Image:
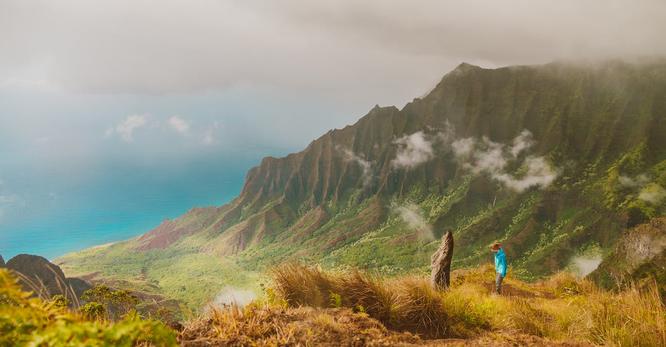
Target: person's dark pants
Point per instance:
(498, 283)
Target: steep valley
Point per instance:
(557, 161)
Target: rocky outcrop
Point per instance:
(40, 274)
(640, 254)
(441, 263)
(2, 262)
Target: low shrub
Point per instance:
(25, 320)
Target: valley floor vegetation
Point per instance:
(306, 306)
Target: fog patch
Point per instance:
(413, 216)
(463, 148)
(492, 158)
(366, 166)
(652, 193)
(413, 150)
(539, 173)
(642, 184)
(233, 296)
(633, 182)
(522, 142)
(418, 148)
(583, 265)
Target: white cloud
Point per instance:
(413, 216)
(492, 158)
(234, 296)
(179, 125)
(652, 193)
(413, 150)
(365, 165)
(539, 174)
(633, 182)
(648, 190)
(463, 147)
(522, 142)
(584, 265)
(126, 128)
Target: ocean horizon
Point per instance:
(54, 215)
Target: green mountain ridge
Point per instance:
(553, 160)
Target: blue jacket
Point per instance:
(500, 262)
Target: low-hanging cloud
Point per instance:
(652, 193)
(463, 148)
(584, 265)
(539, 174)
(234, 296)
(366, 166)
(413, 150)
(632, 182)
(522, 142)
(418, 148)
(413, 216)
(492, 158)
(648, 191)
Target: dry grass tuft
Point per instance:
(563, 284)
(274, 326)
(411, 304)
(368, 294)
(419, 308)
(303, 286)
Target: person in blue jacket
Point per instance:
(500, 265)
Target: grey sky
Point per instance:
(110, 104)
(270, 73)
(395, 49)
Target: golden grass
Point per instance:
(562, 307)
(407, 305)
(257, 325)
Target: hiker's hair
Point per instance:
(496, 245)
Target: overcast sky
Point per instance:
(78, 77)
(351, 48)
(186, 89)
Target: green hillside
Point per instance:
(557, 161)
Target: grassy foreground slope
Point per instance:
(310, 307)
(557, 161)
(307, 306)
